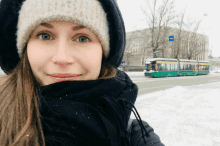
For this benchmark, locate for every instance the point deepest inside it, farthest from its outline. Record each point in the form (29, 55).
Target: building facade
(188, 45)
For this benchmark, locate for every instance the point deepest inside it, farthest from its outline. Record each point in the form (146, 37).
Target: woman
(62, 85)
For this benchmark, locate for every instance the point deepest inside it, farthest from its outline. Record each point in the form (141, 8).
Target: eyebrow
(75, 28)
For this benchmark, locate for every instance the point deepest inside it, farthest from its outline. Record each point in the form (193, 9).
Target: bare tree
(186, 37)
(128, 49)
(177, 45)
(169, 20)
(158, 19)
(194, 38)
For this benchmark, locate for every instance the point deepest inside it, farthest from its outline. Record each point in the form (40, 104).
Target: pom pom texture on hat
(84, 12)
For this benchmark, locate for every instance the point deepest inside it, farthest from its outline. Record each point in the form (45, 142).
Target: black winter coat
(136, 138)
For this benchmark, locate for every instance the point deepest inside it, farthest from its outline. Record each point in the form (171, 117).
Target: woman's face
(60, 51)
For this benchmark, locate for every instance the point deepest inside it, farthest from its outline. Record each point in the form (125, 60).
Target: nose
(63, 53)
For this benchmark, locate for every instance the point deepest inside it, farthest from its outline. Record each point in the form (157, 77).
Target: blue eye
(44, 36)
(83, 39)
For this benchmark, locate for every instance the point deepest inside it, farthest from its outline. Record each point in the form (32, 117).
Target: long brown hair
(20, 120)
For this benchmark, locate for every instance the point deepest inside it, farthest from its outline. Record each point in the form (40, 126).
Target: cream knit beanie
(84, 12)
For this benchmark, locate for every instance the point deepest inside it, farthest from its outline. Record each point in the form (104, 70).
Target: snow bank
(184, 116)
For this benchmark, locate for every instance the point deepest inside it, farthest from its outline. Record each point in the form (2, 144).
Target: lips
(64, 77)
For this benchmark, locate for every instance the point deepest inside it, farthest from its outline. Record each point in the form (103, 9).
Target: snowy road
(184, 115)
(148, 85)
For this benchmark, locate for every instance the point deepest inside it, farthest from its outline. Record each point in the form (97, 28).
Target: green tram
(165, 67)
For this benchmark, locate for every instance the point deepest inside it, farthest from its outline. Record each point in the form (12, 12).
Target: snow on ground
(134, 73)
(183, 116)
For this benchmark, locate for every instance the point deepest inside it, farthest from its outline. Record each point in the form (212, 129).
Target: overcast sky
(133, 17)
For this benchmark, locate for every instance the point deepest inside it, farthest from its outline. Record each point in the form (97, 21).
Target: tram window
(207, 67)
(189, 67)
(163, 66)
(168, 66)
(172, 67)
(193, 67)
(153, 67)
(201, 67)
(184, 66)
(176, 67)
(159, 67)
(148, 67)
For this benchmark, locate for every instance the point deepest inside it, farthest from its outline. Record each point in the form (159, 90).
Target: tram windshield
(153, 65)
(150, 65)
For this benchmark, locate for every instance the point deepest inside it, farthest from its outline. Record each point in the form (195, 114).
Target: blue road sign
(171, 38)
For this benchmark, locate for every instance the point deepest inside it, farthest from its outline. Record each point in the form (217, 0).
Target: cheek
(35, 56)
(93, 60)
